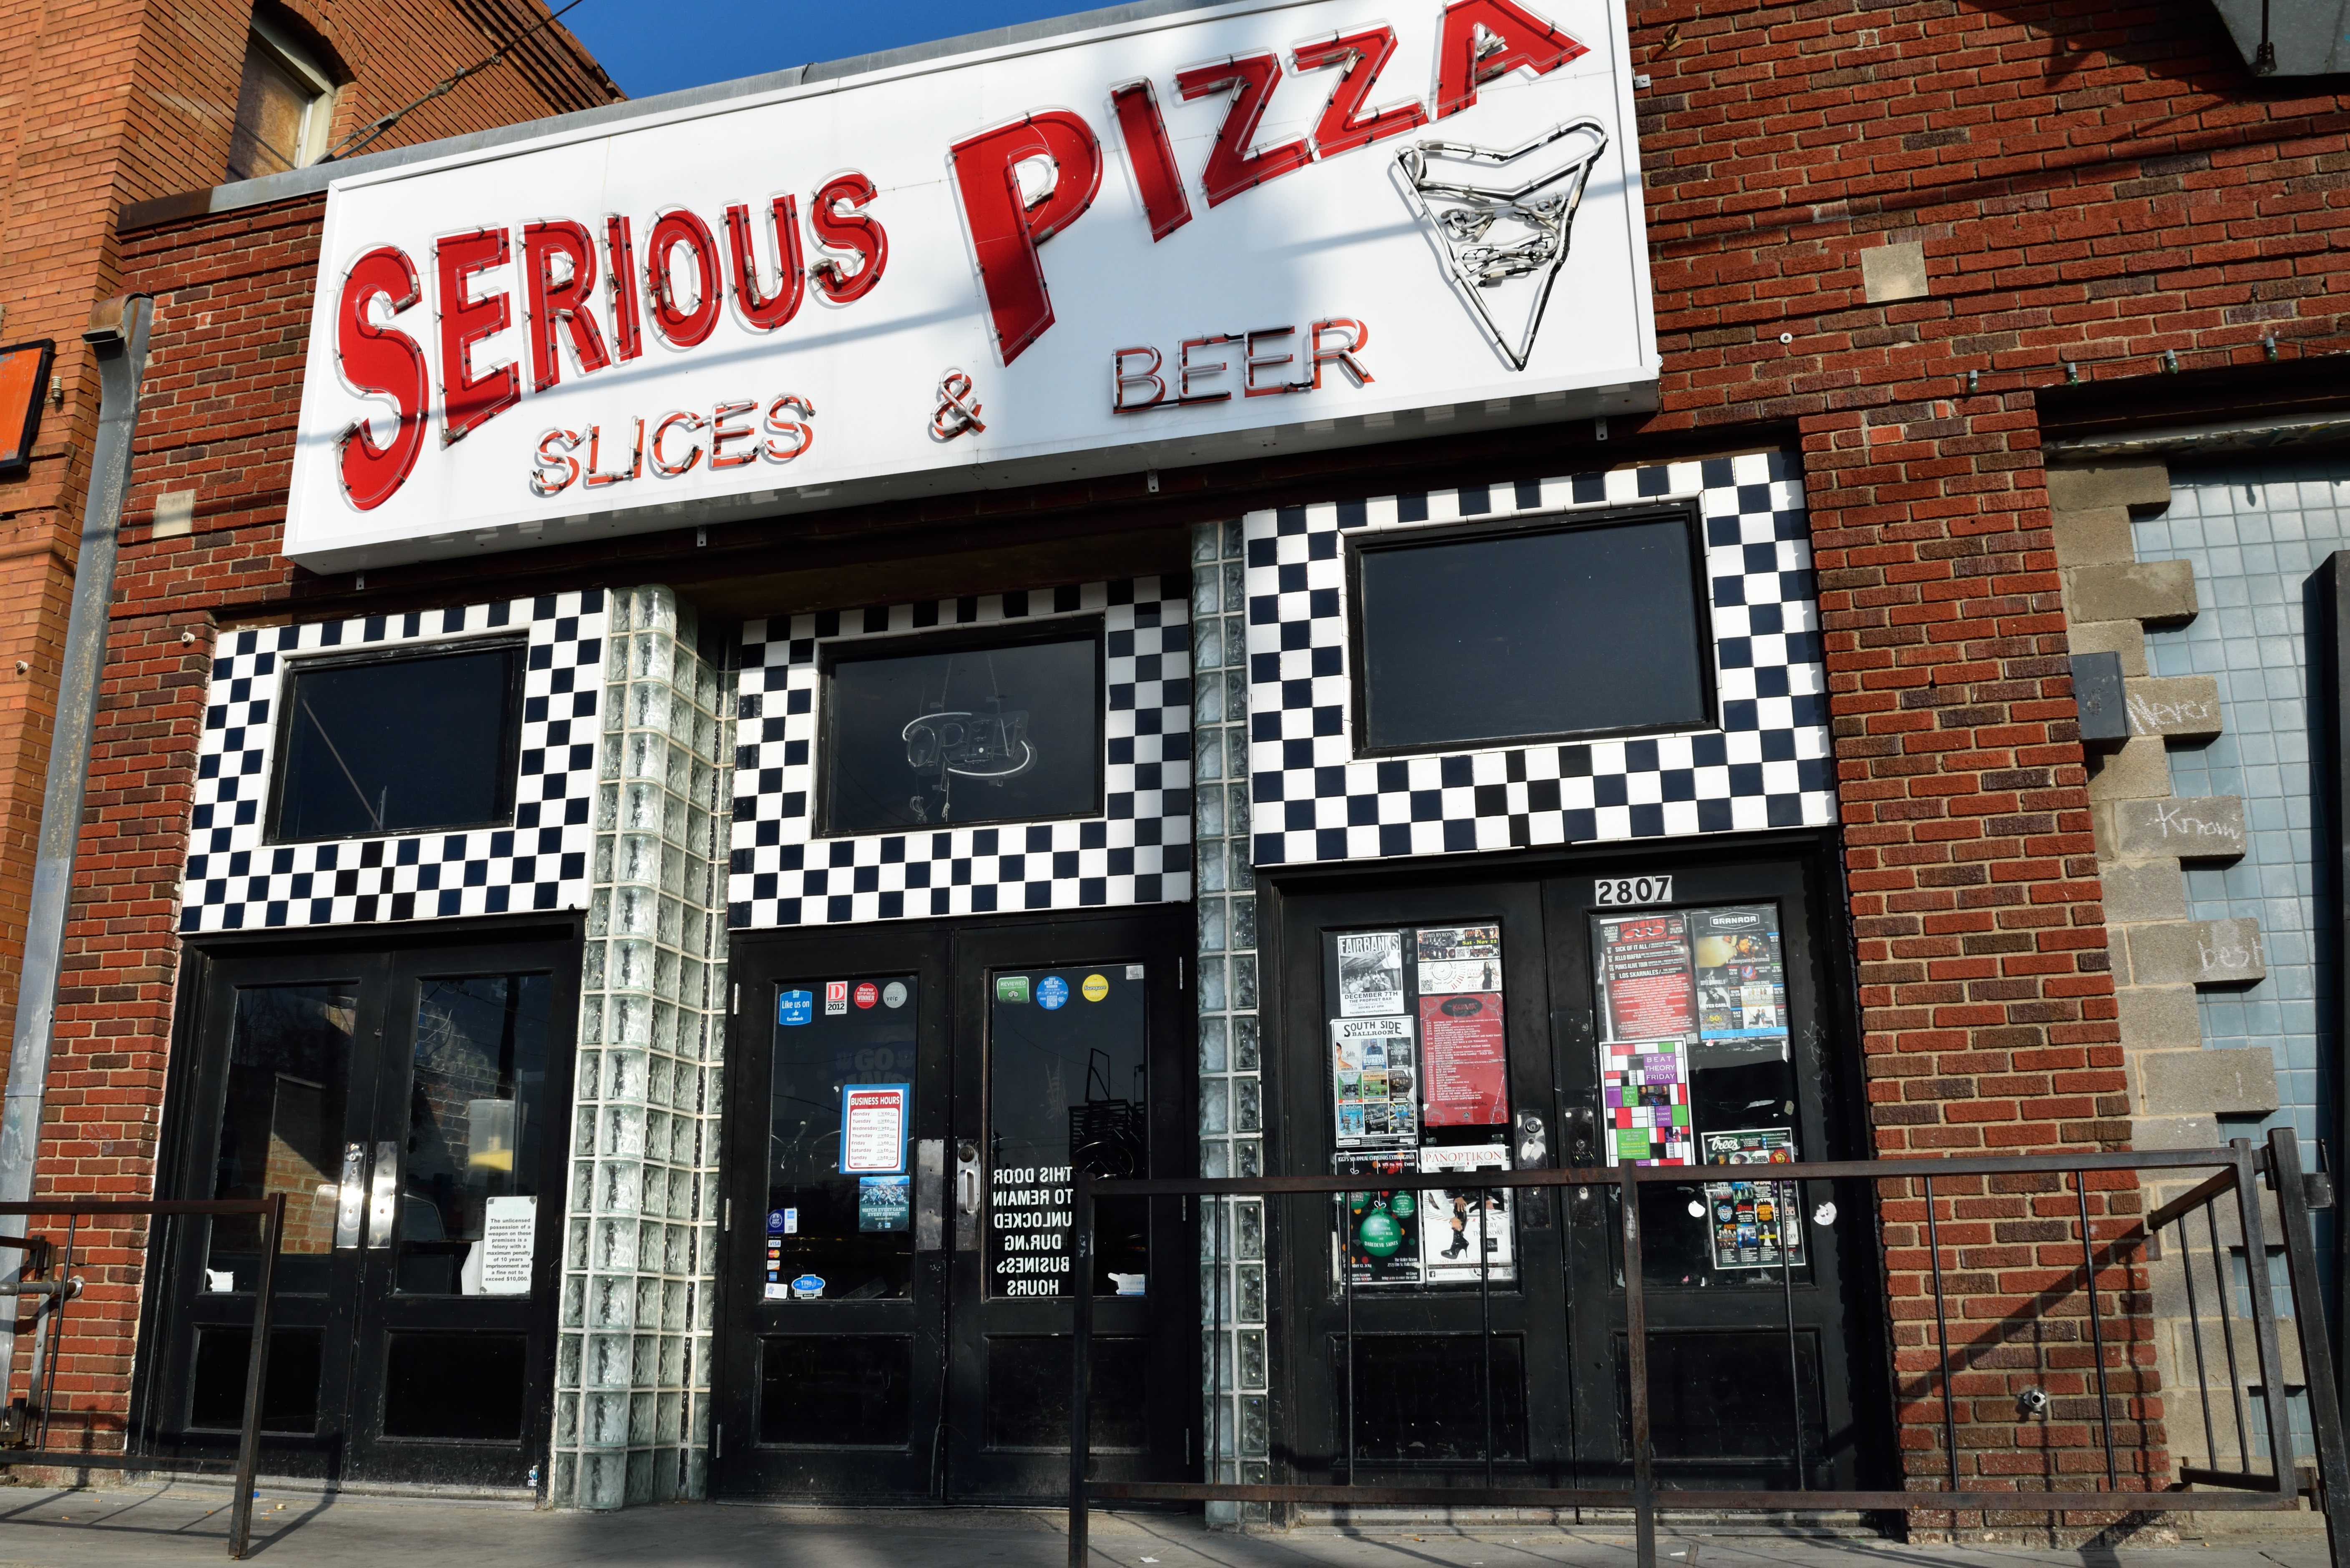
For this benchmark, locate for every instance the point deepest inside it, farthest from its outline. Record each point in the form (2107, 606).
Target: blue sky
(646, 60)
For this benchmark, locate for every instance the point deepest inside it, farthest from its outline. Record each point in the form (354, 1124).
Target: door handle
(966, 1225)
(350, 1197)
(930, 1193)
(383, 1189)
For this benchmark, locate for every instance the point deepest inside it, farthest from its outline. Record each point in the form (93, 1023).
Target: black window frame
(833, 652)
(510, 745)
(1361, 542)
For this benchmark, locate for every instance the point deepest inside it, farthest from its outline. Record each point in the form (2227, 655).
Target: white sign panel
(1135, 247)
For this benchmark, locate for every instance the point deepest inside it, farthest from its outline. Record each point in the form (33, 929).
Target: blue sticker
(795, 1007)
(775, 1221)
(807, 1286)
(1052, 992)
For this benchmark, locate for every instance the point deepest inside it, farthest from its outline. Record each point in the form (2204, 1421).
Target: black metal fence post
(256, 1379)
(2265, 1332)
(1636, 1336)
(1081, 1344)
(2316, 1347)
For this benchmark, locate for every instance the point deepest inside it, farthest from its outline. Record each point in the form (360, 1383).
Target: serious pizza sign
(1132, 247)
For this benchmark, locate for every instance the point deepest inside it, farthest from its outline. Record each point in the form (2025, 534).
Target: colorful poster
(873, 1128)
(1454, 959)
(1464, 1060)
(1459, 1226)
(1741, 978)
(1451, 977)
(1371, 973)
(883, 1203)
(1756, 1224)
(1375, 1079)
(1644, 968)
(1644, 1091)
(1440, 943)
(1382, 1228)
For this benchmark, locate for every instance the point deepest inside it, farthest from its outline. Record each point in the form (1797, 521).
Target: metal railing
(58, 1287)
(2237, 1174)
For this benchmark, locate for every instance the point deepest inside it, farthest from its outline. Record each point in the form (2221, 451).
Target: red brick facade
(2092, 188)
(101, 106)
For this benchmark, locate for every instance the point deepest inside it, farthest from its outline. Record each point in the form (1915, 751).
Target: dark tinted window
(1004, 733)
(1560, 631)
(400, 745)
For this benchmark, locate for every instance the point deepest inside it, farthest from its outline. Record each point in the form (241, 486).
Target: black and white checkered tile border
(236, 882)
(1137, 852)
(1768, 765)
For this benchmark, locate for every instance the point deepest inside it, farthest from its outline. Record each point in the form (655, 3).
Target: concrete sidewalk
(134, 1527)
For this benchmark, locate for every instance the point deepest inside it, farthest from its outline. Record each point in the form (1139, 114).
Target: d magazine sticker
(1459, 1226)
(1371, 973)
(1375, 1082)
(1753, 1219)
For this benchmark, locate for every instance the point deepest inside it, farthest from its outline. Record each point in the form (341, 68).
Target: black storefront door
(413, 1105)
(907, 1108)
(1568, 1015)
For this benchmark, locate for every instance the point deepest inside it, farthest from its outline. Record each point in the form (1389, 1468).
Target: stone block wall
(2146, 836)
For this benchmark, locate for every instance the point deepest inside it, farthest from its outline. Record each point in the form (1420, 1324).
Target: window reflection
(282, 1130)
(831, 1233)
(1011, 732)
(469, 1175)
(349, 763)
(1067, 1090)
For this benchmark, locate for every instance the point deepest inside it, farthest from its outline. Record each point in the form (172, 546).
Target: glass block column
(632, 1367)
(1231, 1112)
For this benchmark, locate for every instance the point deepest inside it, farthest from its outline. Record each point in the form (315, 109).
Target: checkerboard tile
(1767, 764)
(237, 881)
(1137, 852)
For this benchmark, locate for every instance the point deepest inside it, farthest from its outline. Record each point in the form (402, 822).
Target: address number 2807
(1619, 890)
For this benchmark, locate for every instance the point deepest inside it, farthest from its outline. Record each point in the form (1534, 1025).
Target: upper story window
(1546, 629)
(372, 746)
(284, 107)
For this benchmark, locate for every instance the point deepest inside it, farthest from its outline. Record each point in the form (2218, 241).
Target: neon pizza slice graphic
(1503, 244)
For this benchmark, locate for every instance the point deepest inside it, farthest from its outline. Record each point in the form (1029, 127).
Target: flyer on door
(873, 1128)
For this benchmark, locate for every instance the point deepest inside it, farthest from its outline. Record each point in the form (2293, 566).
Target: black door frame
(160, 1367)
(1845, 1125)
(954, 956)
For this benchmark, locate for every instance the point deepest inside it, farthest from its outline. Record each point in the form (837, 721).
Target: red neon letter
(1344, 356)
(769, 313)
(380, 359)
(848, 231)
(683, 327)
(621, 266)
(721, 433)
(1524, 39)
(1152, 157)
(1343, 127)
(465, 401)
(1006, 228)
(802, 436)
(564, 303)
(1122, 378)
(1232, 168)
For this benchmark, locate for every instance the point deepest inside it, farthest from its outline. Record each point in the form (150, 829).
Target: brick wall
(2086, 184)
(103, 104)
